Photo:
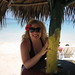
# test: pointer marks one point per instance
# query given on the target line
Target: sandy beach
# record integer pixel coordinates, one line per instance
(10, 58)
(10, 63)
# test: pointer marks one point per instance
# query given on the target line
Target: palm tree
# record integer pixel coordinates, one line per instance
(55, 9)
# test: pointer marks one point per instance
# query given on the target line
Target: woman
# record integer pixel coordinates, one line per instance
(33, 46)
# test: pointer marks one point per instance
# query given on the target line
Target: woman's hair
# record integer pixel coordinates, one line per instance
(43, 30)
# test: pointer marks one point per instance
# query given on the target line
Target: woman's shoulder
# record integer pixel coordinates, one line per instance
(25, 45)
(25, 42)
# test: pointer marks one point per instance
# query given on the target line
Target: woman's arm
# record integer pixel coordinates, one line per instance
(27, 61)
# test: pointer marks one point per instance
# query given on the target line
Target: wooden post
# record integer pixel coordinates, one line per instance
(54, 36)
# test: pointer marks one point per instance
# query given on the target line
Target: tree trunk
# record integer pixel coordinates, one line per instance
(54, 37)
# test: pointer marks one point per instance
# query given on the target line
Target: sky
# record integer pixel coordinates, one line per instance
(11, 33)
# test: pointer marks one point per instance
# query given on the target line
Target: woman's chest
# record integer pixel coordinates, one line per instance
(37, 47)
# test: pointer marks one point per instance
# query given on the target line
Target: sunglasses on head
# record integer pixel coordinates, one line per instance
(38, 29)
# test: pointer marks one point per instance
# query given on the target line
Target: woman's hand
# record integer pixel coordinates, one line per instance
(44, 49)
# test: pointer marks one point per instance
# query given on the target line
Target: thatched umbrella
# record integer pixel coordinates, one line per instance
(56, 9)
(26, 9)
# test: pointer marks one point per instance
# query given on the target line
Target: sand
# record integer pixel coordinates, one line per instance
(10, 59)
(10, 63)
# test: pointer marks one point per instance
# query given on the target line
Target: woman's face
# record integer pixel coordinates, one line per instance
(35, 32)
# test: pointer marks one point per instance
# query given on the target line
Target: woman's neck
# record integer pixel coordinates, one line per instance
(36, 41)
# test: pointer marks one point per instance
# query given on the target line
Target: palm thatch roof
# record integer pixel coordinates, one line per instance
(24, 10)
